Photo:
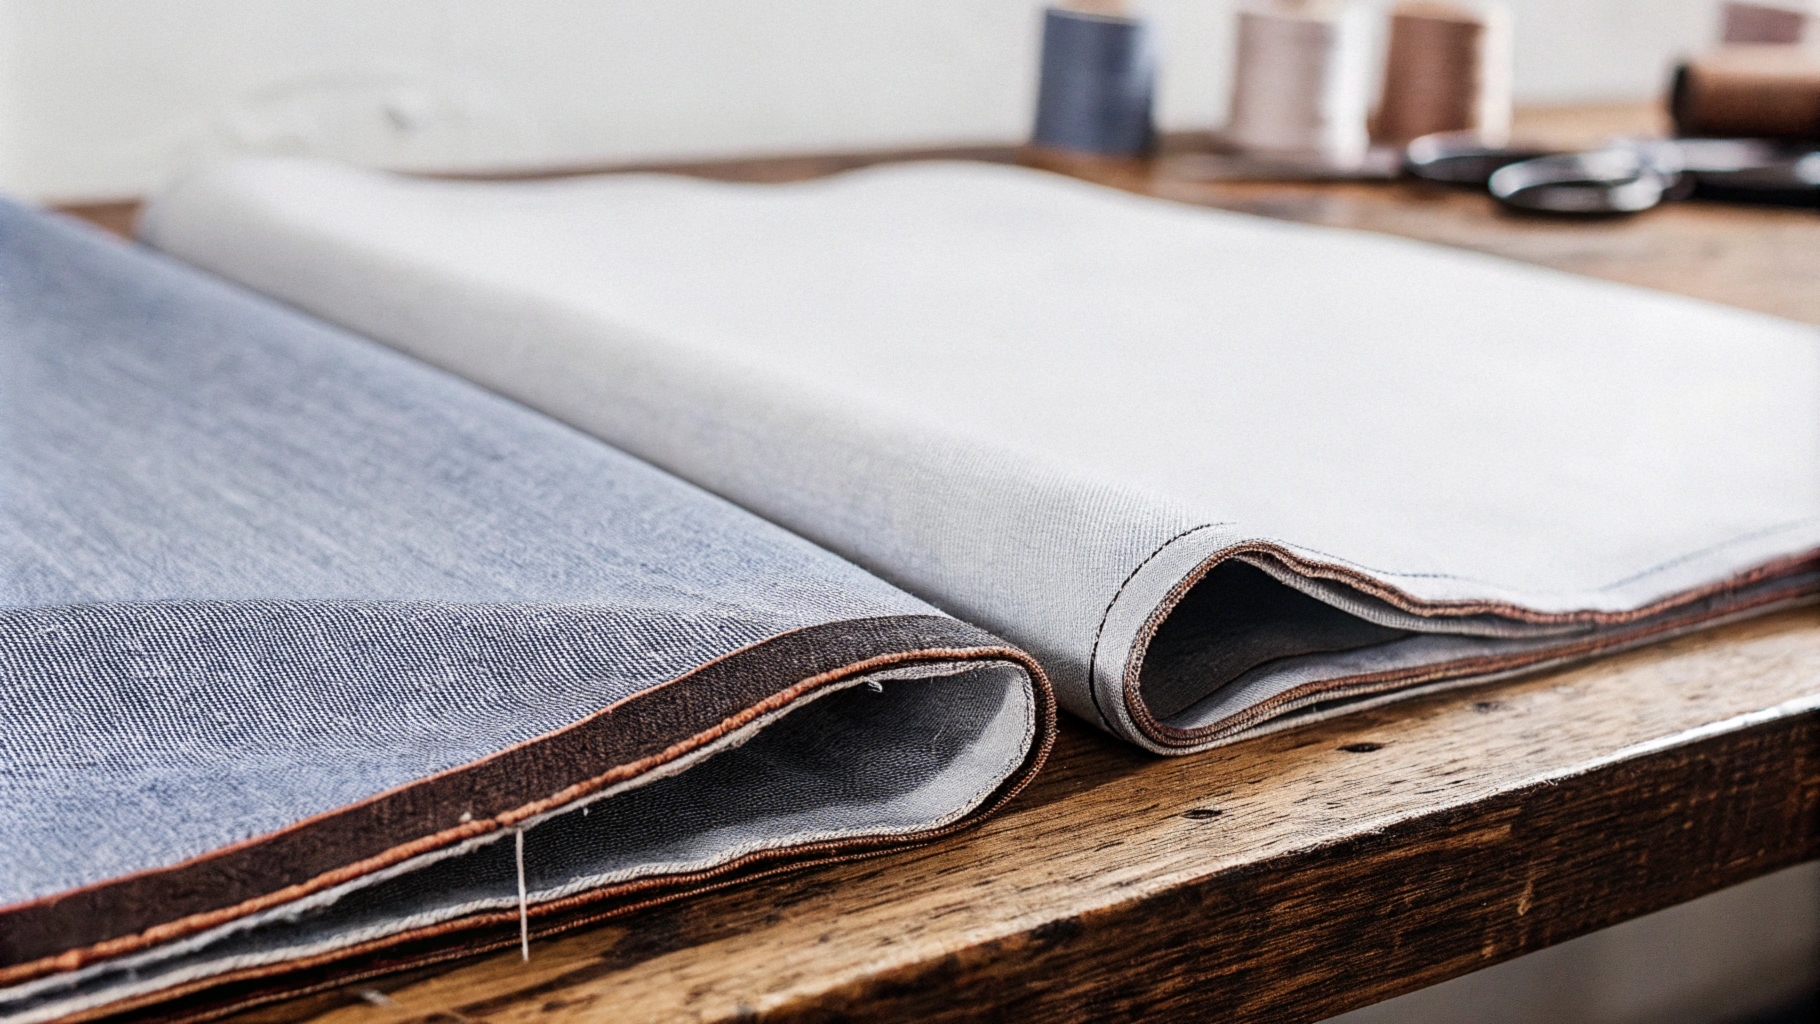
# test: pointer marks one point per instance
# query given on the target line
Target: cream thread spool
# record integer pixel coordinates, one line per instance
(1301, 81)
(1446, 69)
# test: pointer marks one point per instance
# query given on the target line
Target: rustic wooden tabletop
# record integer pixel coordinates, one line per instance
(1291, 877)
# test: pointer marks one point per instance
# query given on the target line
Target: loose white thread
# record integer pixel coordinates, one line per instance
(524, 916)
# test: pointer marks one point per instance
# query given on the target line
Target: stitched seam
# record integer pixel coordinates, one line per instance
(1372, 683)
(1677, 560)
(71, 959)
(1093, 653)
(718, 877)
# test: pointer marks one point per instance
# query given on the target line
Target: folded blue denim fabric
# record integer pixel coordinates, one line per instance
(302, 642)
(1222, 474)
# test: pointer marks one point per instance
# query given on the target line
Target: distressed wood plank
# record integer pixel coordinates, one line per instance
(1284, 879)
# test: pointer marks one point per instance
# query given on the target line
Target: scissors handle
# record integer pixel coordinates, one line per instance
(1624, 175)
(1460, 158)
(1600, 181)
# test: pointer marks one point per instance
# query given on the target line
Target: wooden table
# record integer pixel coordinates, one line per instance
(1292, 877)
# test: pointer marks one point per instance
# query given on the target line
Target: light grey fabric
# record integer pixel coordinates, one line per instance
(1049, 407)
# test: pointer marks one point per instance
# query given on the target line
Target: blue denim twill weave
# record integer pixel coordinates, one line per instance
(255, 570)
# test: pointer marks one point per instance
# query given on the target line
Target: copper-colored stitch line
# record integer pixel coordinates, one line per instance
(1093, 652)
(190, 925)
(709, 881)
(1397, 598)
(683, 886)
(415, 783)
(469, 923)
(1371, 683)
(76, 958)
(1381, 682)
(1503, 609)
(1154, 730)
(751, 712)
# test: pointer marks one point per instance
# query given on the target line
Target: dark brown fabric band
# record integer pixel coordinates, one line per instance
(214, 998)
(641, 732)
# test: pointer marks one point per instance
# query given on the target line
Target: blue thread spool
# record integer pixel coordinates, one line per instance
(1099, 76)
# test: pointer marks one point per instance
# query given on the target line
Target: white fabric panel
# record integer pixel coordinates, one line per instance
(1045, 405)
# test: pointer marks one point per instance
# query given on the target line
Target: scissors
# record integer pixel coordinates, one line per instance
(1623, 175)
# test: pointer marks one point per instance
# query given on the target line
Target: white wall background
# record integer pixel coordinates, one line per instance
(104, 98)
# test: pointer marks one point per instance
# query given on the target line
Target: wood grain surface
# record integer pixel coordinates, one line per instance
(1291, 877)
(1284, 879)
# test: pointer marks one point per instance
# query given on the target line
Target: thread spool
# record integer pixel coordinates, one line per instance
(1098, 81)
(1763, 23)
(1300, 81)
(1446, 69)
(1749, 91)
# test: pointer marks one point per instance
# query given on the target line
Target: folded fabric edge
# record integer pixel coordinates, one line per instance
(1344, 694)
(441, 938)
(1158, 586)
(636, 736)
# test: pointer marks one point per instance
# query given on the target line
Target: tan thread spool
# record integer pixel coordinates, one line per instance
(1446, 69)
(1301, 81)
(1763, 23)
(1749, 91)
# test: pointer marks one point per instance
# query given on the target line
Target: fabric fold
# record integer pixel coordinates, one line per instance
(1222, 475)
(302, 640)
